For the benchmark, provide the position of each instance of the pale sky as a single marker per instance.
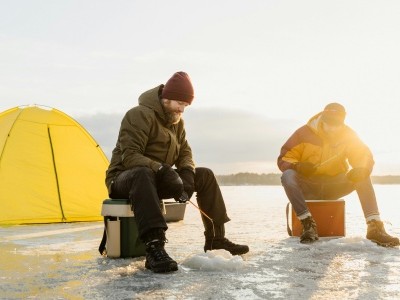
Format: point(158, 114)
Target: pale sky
point(260, 68)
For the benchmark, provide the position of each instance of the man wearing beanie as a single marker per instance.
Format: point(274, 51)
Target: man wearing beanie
point(151, 141)
point(325, 159)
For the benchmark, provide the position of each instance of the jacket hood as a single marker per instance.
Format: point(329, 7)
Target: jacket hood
point(315, 123)
point(151, 100)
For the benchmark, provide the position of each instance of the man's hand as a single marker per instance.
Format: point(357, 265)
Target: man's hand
point(357, 174)
point(187, 176)
point(169, 183)
point(183, 198)
point(305, 168)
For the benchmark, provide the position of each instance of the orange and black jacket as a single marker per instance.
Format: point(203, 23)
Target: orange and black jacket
point(332, 156)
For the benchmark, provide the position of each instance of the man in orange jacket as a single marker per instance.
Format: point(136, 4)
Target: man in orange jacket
point(316, 162)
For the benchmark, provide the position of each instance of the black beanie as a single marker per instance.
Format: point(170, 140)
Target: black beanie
point(333, 114)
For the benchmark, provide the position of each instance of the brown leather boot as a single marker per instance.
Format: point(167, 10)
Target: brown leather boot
point(376, 233)
point(310, 233)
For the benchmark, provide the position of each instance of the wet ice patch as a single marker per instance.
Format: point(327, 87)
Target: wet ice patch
point(214, 260)
point(35, 248)
point(355, 243)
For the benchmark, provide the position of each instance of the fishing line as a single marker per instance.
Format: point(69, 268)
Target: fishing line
point(204, 214)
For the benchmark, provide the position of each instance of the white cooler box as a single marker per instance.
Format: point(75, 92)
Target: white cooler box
point(122, 237)
point(121, 229)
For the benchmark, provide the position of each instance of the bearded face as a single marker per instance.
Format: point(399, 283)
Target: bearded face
point(173, 110)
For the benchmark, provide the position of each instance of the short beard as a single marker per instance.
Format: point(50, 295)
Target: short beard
point(172, 118)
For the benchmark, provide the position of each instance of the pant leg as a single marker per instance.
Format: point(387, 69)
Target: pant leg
point(294, 192)
point(339, 186)
point(209, 198)
point(139, 186)
point(367, 197)
point(299, 188)
point(334, 187)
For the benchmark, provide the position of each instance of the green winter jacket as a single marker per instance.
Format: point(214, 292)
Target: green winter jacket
point(145, 140)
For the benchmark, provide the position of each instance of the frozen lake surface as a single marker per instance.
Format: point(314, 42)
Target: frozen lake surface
point(61, 261)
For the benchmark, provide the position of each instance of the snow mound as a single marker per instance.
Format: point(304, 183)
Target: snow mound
point(215, 260)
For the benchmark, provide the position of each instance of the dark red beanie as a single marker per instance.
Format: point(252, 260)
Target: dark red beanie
point(179, 87)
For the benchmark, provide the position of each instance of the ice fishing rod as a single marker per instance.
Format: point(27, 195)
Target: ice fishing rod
point(328, 160)
point(185, 198)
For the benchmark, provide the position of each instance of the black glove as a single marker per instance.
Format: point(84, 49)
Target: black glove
point(169, 184)
point(357, 174)
point(305, 168)
point(183, 198)
point(187, 176)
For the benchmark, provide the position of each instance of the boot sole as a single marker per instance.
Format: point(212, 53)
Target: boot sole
point(390, 244)
point(309, 240)
point(239, 252)
point(244, 251)
point(162, 269)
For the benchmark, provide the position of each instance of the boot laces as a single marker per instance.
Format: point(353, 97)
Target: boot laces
point(377, 227)
point(309, 223)
point(156, 248)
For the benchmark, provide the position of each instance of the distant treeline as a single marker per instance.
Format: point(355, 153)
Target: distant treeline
point(249, 179)
point(275, 179)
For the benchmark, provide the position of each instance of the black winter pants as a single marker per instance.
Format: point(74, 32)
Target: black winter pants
point(139, 186)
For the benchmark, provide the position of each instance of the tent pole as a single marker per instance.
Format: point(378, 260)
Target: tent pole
point(55, 172)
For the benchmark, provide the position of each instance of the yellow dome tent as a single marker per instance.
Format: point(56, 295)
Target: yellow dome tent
point(51, 169)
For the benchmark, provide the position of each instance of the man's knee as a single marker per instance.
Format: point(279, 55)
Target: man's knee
point(289, 177)
point(143, 171)
point(204, 173)
point(204, 177)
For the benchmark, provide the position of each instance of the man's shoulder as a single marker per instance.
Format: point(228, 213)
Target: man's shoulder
point(350, 135)
point(139, 115)
point(305, 129)
point(305, 134)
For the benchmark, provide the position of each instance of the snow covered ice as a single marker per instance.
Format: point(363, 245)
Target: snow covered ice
point(61, 261)
point(213, 261)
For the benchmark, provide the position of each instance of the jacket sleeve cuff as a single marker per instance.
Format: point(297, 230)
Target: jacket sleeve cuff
point(155, 166)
